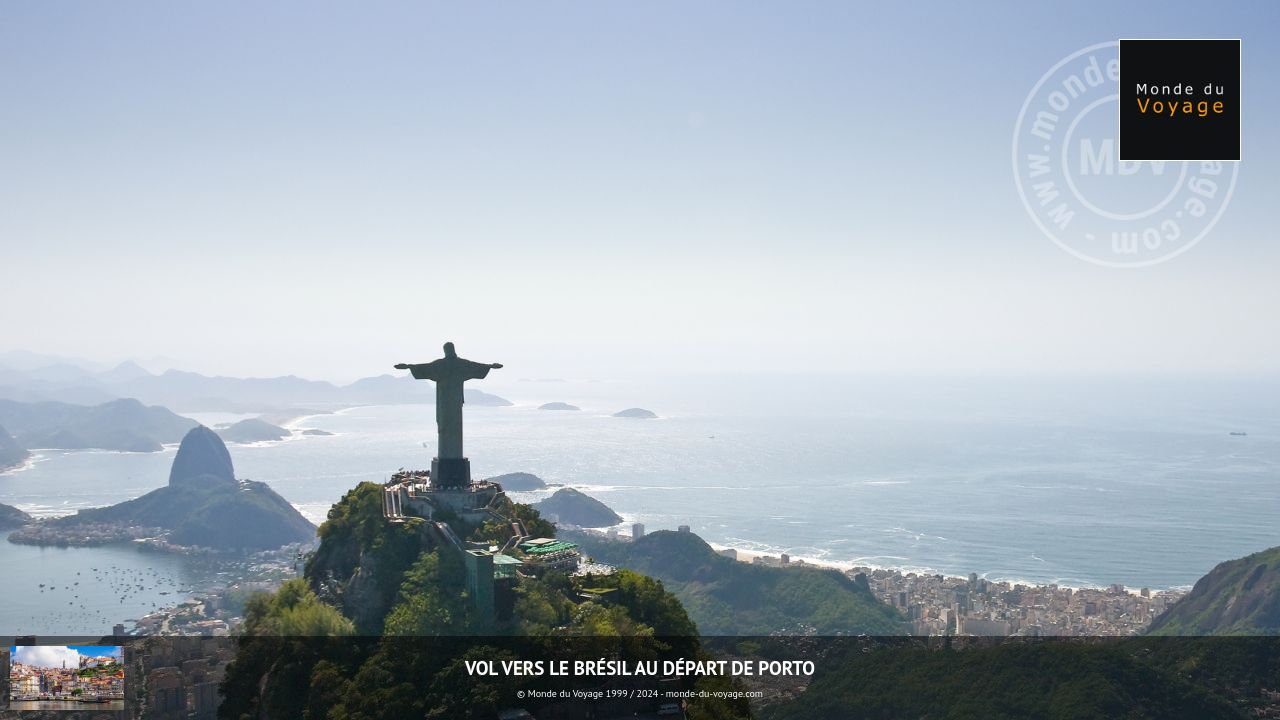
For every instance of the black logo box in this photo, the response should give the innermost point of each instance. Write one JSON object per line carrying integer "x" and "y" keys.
{"x": 1186, "y": 68}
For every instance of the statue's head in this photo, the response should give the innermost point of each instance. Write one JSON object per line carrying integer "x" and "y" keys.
{"x": 449, "y": 351}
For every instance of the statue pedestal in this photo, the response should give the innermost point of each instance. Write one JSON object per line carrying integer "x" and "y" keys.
{"x": 450, "y": 472}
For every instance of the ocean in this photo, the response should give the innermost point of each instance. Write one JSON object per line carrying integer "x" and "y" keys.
{"x": 1083, "y": 482}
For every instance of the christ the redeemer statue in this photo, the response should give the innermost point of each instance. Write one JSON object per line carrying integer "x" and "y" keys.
{"x": 450, "y": 468}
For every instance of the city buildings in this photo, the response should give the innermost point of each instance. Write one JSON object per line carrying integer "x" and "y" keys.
{"x": 95, "y": 679}
{"x": 942, "y": 605}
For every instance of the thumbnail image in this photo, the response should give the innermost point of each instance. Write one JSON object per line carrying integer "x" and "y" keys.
{"x": 66, "y": 677}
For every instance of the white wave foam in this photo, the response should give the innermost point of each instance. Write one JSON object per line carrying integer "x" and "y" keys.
{"x": 27, "y": 464}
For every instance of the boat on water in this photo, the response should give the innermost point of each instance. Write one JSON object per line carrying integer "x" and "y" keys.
{"x": 1239, "y": 434}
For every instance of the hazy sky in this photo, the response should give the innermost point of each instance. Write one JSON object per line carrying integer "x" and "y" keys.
{"x": 326, "y": 189}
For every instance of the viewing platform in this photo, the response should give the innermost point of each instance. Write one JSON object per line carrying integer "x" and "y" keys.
{"x": 410, "y": 493}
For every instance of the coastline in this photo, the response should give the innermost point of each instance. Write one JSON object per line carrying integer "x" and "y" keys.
{"x": 845, "y": 566}
{"x": 29, "y": 462}
{"x": 294, "y": 422}
{"x": 746, "y": 549}
{"x": 749, "y": 556}
{"x": 311, "y": 511}
{"x": 936, "y": 604}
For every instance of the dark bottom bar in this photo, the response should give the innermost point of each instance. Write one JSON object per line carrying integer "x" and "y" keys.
{"x": 772, "y": 678}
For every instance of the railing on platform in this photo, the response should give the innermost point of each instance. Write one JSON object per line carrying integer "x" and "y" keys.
{"x": 391, "y": 507}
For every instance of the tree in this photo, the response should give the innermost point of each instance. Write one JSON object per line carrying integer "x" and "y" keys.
{"x": 432, "y": 600}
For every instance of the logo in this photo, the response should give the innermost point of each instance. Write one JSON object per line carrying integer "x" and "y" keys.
{"x": 1180, "y": 99}
{"x": 1092, "y": 204}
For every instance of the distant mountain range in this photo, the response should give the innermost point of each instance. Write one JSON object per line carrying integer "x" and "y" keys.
{"x": 115, "y": 425}
{"x": 64, "y": 382}
{"x": 54, "y": 402}
{"x": 48, "y": 402}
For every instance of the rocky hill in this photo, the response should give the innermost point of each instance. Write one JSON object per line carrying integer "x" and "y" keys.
{"x": 1238, "y": 597}
{"x": 202, "y": 460}
{"x": 253, "y": 430}
{"x": 576, "y": 508}
{"x": 409, "y": 600}
{"x": 11, "y": 517}
{"x": 11, "y": 453}
{"x": 203, "y": 505}
{"x": 519, "y": 481}
{"x": 728, "y": 597}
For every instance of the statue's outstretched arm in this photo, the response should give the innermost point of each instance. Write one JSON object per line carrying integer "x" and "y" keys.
{"x": 495, "y": 366}
{"x": 402, "y": 366}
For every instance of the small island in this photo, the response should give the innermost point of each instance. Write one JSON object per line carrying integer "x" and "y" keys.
{"x": 638, "y": 413}
{"x": 519, "y": 481}
{"x": 558, "y": 406}
{"x": 253, "y": 430}
{"x": 315, "y": 432}
{"x": 577, "y": 508}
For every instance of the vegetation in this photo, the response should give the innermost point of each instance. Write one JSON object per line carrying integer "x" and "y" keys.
{"x": 1051, "y": 678}
{"x": 254, "y": 517}
{"x": 362, "y": 558}
{"x": 431, "y": 601}
{"x": 518, "y": 481}
{"x": 409, "y": 657}
{"x": 576, "y": 508}
{"x": 248, "y": 516}
{"x": 296, "y": 611}
{"x": 497, "y": 531}
{"x": 1238, "y": 597}
{"x": 104, "y": 670}
{"x": 299, "y": 660}
{"x": 727, "y": 597}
